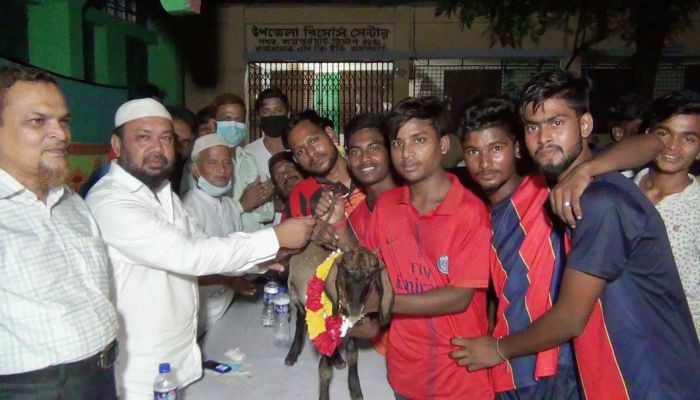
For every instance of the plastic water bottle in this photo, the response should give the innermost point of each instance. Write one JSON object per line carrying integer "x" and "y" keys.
{"x": 281, "y": 330}
{"x": 269, "y": 291}
{"x": 165, "y": 386}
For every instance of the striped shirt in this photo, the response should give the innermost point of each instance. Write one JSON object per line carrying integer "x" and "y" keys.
{"x": 528, "y": 262}
{"x": 54, "y": 289}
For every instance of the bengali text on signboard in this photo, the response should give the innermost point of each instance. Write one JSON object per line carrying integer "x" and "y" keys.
{"x": 265, "y": 38}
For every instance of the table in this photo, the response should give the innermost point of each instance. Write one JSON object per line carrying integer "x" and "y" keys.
{"x": 268, "y": 377}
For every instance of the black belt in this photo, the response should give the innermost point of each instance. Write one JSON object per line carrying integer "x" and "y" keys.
{"x": 100, "y": 361}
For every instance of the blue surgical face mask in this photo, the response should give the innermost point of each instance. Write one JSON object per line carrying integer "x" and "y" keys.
{"x": 211, "y": 190}
{"x": 232, "y": 131}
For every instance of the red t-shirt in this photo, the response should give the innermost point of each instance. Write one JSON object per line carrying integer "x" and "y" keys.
{"x": 448, "y": 246}
{"x": 360, "y": 220}
{"x": 305, "y": 195}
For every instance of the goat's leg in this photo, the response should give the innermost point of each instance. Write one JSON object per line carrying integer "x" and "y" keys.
{"x": 298, "y": 341}
{"x": 337, "y": 359}
{"x": 353, "y": 377}
{"x": 325, "y": 373}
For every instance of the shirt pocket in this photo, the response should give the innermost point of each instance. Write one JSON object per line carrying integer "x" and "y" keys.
{"x": 88, "y": 258}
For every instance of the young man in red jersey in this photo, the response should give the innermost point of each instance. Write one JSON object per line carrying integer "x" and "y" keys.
{"x": 434, "y": 237}
{"x": 367, "y": 147}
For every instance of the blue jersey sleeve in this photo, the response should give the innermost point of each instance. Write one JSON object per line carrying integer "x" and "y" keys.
{"x": 613, "y": 223}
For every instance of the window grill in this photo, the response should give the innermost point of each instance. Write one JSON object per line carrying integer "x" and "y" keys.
{"x": 337, "y": 91}
{"x": 452, "y": 80}
{"x": 122, "y": 9}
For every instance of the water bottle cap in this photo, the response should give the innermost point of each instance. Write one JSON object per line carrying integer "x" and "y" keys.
{"x": 271, "y": 289}
{"x": 281, "y": 300}
{"x": 164, "y": 368}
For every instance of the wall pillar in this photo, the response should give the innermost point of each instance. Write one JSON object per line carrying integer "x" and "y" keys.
{"x": 110, "y": 56}
{"x": 55, "y": 32}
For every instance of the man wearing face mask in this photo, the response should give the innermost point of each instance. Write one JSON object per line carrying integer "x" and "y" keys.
{"x": 272, "y": 109}
{"x": 252, "y": 189}
{"x": 218, "y": 216}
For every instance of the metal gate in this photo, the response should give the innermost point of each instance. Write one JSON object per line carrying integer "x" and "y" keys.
{"x": 337, "y": 91}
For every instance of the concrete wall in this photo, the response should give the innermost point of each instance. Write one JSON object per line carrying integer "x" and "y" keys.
{"x": 418, "y": 35}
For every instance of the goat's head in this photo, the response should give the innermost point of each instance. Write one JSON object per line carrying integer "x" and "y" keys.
{"x": 352, "y": 278}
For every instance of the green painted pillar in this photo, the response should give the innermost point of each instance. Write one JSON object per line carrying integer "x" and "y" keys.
{"x": 110, "y": 56}
{"x": 165, "y": 68}
{"x": 55, "y": 32}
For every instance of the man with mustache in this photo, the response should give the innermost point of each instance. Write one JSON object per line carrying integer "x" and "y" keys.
{"x": 314, "y": 151}
{"x": 527, "y": 246}
{"x": 57, "y": 322}
{"x": 157, "y": 251}
{"x": 621, "y": 300}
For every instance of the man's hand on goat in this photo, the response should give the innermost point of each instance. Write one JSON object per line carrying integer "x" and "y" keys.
{"x": 294, "y": 233}
{"x": 366, "y": 328}
{"x": 324, "y": 234}
{"x": 328, "y": 203}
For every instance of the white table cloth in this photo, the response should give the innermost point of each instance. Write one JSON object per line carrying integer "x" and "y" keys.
{"x": 268, "y": 377}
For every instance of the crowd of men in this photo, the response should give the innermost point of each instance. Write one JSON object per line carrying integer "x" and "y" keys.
{"x": 570, "y": 281}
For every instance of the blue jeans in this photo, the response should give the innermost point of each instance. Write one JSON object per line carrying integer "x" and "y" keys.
{"x": 62, "y": 382}
{"x": 562, "y": 386}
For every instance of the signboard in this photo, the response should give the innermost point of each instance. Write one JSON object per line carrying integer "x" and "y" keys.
{"x": 341, "y": 38}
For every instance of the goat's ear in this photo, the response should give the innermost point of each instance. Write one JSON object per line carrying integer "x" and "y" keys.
{"x": 386, "y": 296}
{"x": 330, "y": 286}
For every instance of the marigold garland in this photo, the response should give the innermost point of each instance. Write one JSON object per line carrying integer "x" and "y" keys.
{"x": 323, "y": 327}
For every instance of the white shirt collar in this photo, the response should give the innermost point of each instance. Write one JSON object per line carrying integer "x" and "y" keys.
{"x": 692, "y": 190}
{"x": 9, "y": 186}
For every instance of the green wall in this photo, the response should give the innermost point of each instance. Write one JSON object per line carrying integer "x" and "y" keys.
{"x": 55, "y": 32}
{"x": 56, "y": 40}
{"x": 92, "y": 108}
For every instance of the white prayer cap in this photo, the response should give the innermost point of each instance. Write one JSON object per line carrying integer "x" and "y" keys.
{"x": 139, "y": 108}
{"x": 205, "y": 142}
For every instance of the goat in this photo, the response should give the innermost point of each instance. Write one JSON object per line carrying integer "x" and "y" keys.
{"x": 353, "y": 276}
{"x": 350, "y": 281}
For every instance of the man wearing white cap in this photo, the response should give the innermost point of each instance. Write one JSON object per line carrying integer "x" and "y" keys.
{"x": 157, "y": 250}
{"x": 217, "y": 215}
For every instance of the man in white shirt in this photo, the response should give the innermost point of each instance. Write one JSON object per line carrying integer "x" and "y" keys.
{"x": 272, "y": 109}
{"x": 57, "y": 323}
{"x": 157, "y": 251}
{"x": 675, "y": 118}
{"x": 217, "y": 215}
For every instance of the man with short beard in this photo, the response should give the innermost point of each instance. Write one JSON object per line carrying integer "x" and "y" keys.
{"x": 621, "y": 299}
{"x": 314, "y": 151}
{"x": 57, "y": 323}
{"x": 157, "y": 251}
